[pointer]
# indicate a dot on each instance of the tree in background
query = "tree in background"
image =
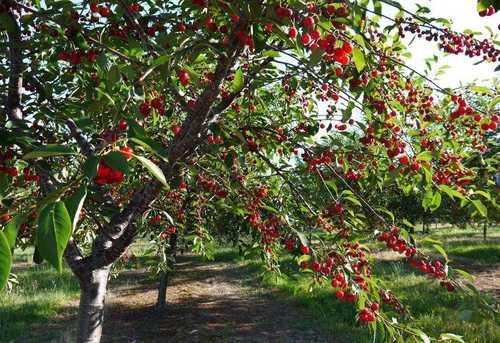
(116, 111)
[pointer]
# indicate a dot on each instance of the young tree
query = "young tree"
(112, 108)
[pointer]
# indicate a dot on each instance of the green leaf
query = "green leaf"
(238, 81)
(484, 194)
(480, 207)
(359, 59)
(5, 260)
(153, 169)
(481, 90)
(54, 232)
(12, 228)
(451, 337)
(49, 150)
(152, 146)
(451, 192)
(160, 60)
(117, 161)
(436, 201)
(90, 166)
(464, 274)
(271, 53)
(74, 205)
(424, 156)
(440, 249)
(423, 336)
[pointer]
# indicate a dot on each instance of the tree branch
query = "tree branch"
(13, 101)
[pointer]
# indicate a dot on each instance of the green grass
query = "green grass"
(42, 293)
(469, 244)
(39, 297)
(433, 309)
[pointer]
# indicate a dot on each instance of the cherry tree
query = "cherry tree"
(153, 118)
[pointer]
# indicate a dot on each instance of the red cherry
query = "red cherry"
(176, 129)
(347, 47)
(305, 249)
(404, 159)
(122, 125)
(104, 11)
(340, 295)
(127, 152)
(183, 76)
(308, 22)
(292, 33)
(306, 39)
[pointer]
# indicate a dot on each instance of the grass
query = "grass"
(39, 297)
(469, 244)
(433, 309)
(42, 294)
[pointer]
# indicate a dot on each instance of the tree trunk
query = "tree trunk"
(91, 311)
(485, 229)
(161, 302)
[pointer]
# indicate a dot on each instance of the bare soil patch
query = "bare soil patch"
(207, 302)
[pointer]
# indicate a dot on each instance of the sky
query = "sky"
(463, 15)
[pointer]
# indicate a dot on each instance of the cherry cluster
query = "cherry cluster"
(79, 56)
(7, 156)
(103, 10)
(450, 41)
(487, 11)
(157, 103)
(172, 229)
(211, 185)
(395, 242)
(28, 176)
(107, 175)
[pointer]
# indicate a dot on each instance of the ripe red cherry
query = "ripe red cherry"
(292, 33)
(94, 8)
(104, 11)
(122, 125)
(183, 76)
(316, 266)
(269, 27)
(127, 152)
(375, 307)
(306, 39)
(309, 22)
(404, 159)
(347, 47)
(176, 129)
(305, 249)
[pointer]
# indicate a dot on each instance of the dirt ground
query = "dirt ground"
(207, 302)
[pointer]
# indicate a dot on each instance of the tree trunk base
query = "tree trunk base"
(91, 310)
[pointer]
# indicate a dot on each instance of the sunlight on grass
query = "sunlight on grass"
(38, 298)
(433, 309)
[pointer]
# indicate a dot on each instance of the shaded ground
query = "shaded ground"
(207, 302)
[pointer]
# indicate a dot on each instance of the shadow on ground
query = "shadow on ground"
(207, 302)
